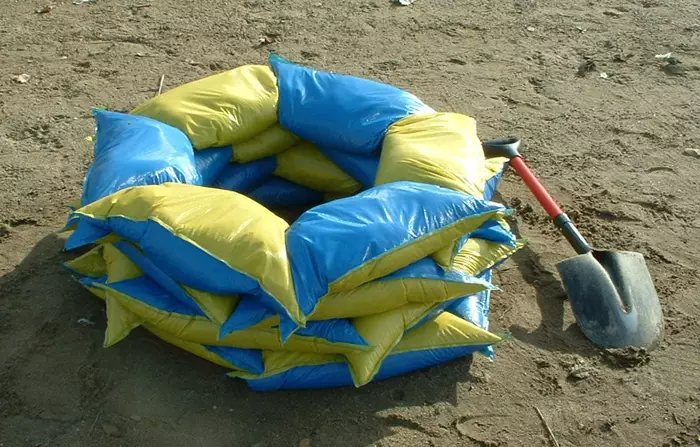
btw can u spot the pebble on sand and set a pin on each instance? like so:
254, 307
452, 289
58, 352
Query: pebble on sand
692, 152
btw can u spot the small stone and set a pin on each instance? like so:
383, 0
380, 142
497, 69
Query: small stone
612, 13
627, 358
603, 75
691, 152
309, 54
135, 417
111, 430
530, 28
674, 69
542, 363
481, 377
581, 372
306, 442
458, 61
21, 79
585, 67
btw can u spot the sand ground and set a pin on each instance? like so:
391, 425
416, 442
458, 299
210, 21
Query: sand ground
609, 146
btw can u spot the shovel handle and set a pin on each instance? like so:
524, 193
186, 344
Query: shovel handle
509, 148
541, 194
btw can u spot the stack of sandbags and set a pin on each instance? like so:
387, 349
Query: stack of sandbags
388, 272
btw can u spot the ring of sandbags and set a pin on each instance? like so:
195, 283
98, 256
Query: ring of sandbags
301, 228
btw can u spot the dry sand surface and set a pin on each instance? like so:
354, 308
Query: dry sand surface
609, 146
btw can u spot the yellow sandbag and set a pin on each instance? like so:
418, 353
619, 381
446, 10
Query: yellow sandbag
119, 266
410, 253
441, 149
93, 264
277, 362
222, 109
446, 255
198, 329
476, 256
385, 331
99, 262
381, 296
217, 307
306, 165
120, 321
375, 297
443, 331
480, 254
215, 231
494, 166
269, 142
384, 295
90, 264
190, 327
192, 348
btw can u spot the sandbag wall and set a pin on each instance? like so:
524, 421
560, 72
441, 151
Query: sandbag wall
388, 271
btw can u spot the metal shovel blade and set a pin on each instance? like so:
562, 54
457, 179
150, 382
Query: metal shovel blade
613, 298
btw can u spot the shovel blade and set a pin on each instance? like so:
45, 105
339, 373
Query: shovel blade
614, 299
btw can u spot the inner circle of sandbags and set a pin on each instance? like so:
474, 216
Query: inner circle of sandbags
381, 265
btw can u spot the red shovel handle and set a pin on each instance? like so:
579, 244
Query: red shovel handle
541, 194
508, 147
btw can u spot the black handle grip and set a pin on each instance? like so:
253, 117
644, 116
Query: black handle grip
502, 147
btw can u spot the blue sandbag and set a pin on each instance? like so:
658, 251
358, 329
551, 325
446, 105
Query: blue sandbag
244, 177
361, 168
149, 292
474, 308
152, 295
337, 374
336, 238
250, 312
493, 231
493, 182
342, 112
340, 331
245, 359
158, 276
277, 192
211, 162
135, 150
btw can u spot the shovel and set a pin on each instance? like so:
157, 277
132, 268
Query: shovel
611, 292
